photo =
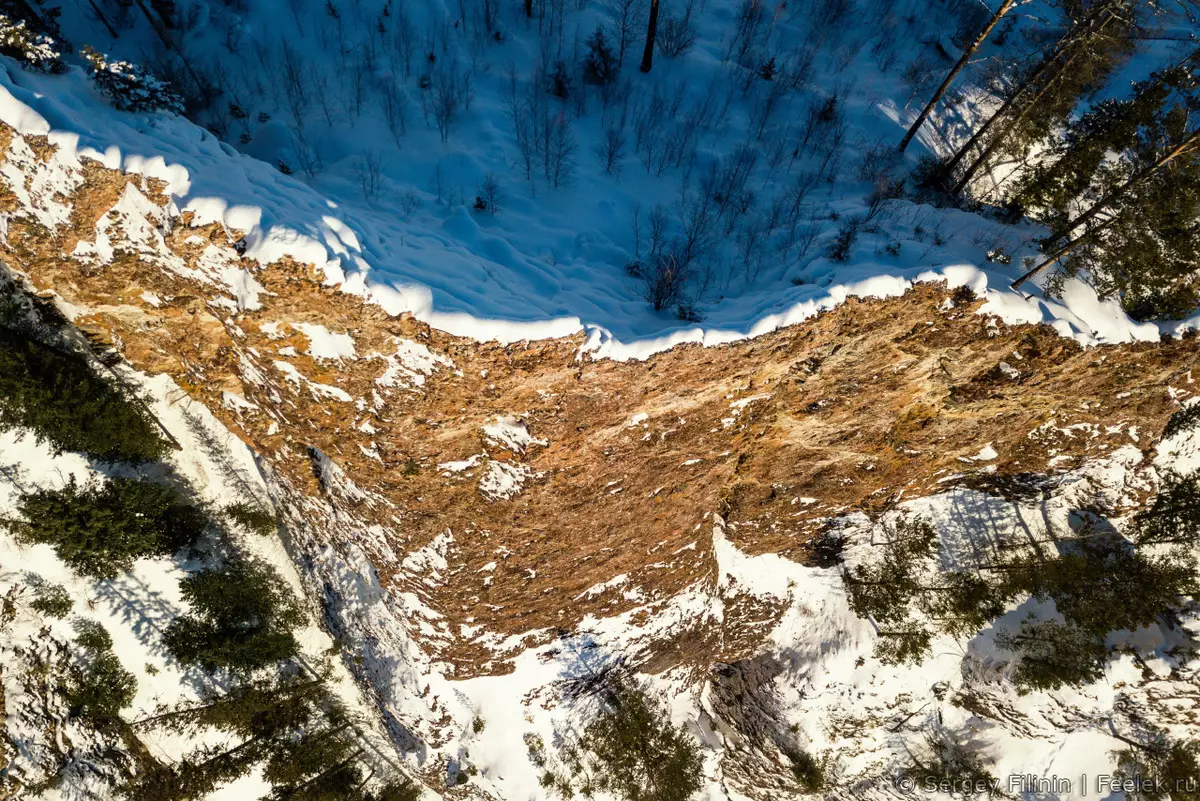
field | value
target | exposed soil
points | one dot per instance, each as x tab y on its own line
848	411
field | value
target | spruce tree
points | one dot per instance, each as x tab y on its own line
260	715
65	404
637	754
1102	584
241	619
1174	516
100	528
1166	768
600	65
1053	654
103	688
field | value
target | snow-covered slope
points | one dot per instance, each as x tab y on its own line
552	261
481	528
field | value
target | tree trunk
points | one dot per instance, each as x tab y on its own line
100	16
1005	7
1190	143
1047	66
529	9
652	30
986	153
1065	250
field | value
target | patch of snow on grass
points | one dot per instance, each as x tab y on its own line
503	480
510	433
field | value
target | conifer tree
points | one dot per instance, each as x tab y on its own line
890	590
600	65
1136	166
1001	10
1174	516
1164	768
260	714
1102	584
1047	90
242	616
1053	654
56	395
638	754
102	687
1097	42
101	528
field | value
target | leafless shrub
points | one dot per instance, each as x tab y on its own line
877	160
491	196
663	281
676	35
410	201
295	85
307	155
611	149
884	190
369	169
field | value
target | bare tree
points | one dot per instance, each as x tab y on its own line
369	168
450	93
410	201
491	196
663	281
395	111
560	151
307	156
404	35
627	21
1004	7
295	85
439	182
612	149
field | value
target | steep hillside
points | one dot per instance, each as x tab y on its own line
491	529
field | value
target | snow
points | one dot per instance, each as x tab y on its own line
324	344
511	433
318	390
551	263
410	365
503	480
136	607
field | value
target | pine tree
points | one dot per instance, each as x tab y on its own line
1106	37
101	528
1047	91
1137	234
241	618
1052	187
1001	10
